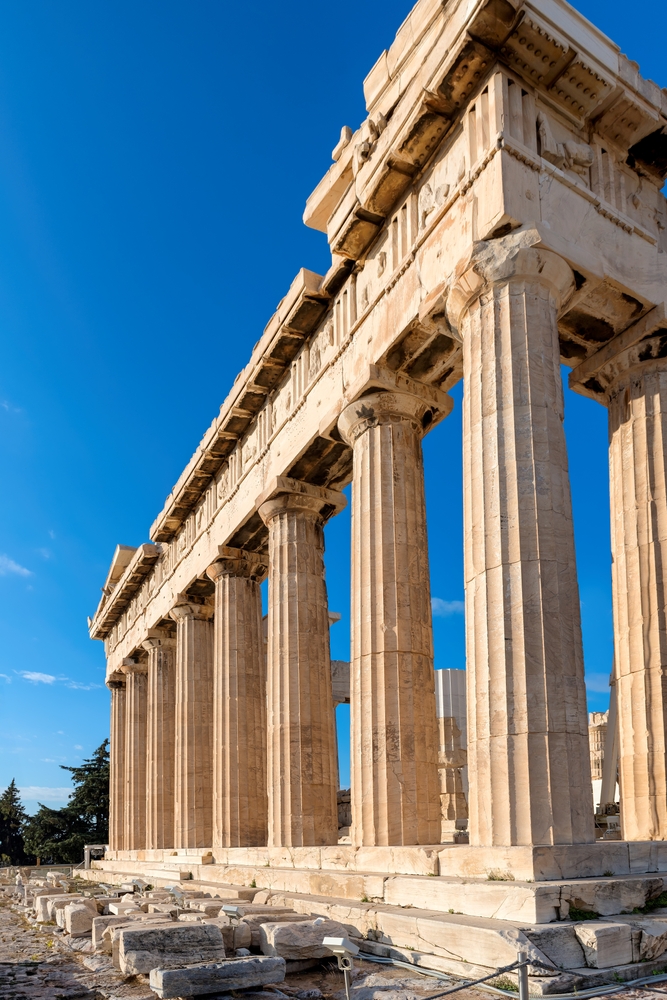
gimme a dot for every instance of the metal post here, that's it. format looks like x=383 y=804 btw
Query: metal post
x=522 y=973
x=345 y=964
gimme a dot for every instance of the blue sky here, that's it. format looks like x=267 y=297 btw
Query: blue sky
x=155 y=158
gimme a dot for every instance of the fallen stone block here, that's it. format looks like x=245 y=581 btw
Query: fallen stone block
x=41 y=907
x=102 y=927
x=298 y=940
x=605 y=943
x=235 y=936
x=37 y=894
x=78 y=919
x=255 y=921
x=234 y=974
x=57 y=902
x=103 y=902
x=141 y=949
x=166 y=907
x=210 y=909
x=116 y=909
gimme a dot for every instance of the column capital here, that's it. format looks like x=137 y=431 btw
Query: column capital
x=638 y=350
x=383 y=408
x=184 y=611
x=284 y=493
x=158 y=639
x=116 y=681
x=237 y=562
x=512 y=258
x=132 y=666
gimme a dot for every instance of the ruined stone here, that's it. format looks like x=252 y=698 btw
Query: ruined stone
x=235 y=974
x=140 y=949
x=605 y=944
x=79 y=919
x=299 y=940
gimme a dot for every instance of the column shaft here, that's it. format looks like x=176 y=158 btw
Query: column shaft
x=638 y=491
x=301 y=763
x=193 y=778
x=161 y=728
x=239 y=699
x=135 y=757
x=394 y=741
x=528 y=755
x=117 y=766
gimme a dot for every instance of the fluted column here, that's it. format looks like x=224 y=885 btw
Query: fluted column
x=394 y=736
x=301 y=763
x=638 y=494
x=528 y=757
x=116 y=685
x=136 y=705
x=193 y=776
x=161 y=734
x=239 y=702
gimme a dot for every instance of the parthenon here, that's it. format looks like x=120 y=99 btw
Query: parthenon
x=497 y=214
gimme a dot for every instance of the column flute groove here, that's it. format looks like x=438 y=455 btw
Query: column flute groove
x=161 y=733
x=637 y=401
x=528 y=755
x=116 y=685
x=136 y=709
x=301 y=762
x=240 y=801
x=394 y=737
x=193 y=779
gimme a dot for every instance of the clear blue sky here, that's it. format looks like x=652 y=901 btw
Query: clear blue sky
x=155 y=158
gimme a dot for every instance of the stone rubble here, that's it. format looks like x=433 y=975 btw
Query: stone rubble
x=237 y=974
x=299 y=940
x=139 y=949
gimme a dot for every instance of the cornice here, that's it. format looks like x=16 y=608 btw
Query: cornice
x=112 y=607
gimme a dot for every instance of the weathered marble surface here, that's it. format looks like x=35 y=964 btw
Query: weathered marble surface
x=215 y=977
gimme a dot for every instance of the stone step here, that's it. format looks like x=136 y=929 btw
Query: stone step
x=471 y=946
x=538 y=864
x=342 y=857
x=532 y=902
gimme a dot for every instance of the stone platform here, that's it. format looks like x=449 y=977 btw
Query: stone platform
x=406 y=903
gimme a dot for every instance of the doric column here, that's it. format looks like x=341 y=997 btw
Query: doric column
x=239 y=702
x=193 y=777
x=161 y=730
x=301 y=764
x=136 y=705
x=528 y=758
x=394 y=737
x=638 y=493
x=450 y=700
x=116 y=685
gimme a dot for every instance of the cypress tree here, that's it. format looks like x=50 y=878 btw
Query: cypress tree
x=13 y=818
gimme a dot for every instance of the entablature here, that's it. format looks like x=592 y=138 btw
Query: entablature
x=416 y=104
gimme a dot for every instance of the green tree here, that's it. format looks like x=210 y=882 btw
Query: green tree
x=90 y=798
x=12 y=823
x=57 y=836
